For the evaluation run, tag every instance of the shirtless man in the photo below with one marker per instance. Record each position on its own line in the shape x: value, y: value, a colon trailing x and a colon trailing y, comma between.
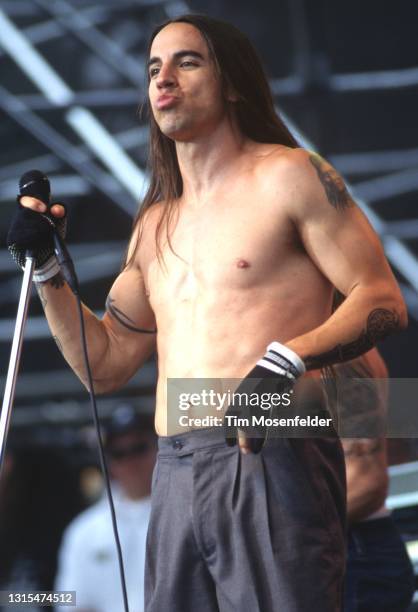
x: 241, y: 239
x: 379, y: 573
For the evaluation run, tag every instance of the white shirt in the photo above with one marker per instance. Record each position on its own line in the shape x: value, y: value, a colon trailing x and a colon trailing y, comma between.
x: 88, y: 558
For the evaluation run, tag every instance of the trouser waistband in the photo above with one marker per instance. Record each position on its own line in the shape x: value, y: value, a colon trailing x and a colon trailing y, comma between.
x: 190, y: 441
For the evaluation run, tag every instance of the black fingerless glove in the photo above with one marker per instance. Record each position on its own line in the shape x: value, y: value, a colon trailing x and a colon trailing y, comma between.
x: 34, y: 232
x: 275, y: 373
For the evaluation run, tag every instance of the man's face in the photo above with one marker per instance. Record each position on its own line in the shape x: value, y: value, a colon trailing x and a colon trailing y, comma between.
x: 184, y: 89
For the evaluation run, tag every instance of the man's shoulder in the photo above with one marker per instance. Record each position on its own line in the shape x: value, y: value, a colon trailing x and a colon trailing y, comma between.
x: 149, y: 218
x: 308, y: 186
x: 285, y: 165
x: 286, y: 177
x: 281, y: 155
x: 144, y: 232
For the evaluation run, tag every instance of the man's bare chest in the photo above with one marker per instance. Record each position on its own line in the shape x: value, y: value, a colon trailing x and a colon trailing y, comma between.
x: 222, y: 248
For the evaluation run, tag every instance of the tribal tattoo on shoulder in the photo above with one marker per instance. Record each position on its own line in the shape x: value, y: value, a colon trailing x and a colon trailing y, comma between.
x: 123, y: 319
x: 380, y: 323
x: 333, y: 184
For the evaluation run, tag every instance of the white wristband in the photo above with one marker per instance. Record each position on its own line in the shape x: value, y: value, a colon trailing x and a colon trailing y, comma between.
x: 288, y: 354
x: 47, y: 271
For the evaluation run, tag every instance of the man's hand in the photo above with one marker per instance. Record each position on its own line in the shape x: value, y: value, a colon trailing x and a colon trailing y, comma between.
x: 32, y: 230
x: 57, y: 210
x: 275, y: 373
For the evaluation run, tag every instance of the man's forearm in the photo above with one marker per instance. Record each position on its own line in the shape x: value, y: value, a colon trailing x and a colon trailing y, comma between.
x: 354, y: 328
x: 61, y: 311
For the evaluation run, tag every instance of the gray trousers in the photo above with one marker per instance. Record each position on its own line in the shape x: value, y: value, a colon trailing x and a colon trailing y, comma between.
x: 253, y: 533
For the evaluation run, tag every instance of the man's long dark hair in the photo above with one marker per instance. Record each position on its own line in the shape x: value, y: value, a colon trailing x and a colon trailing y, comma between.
x: 240, y: 71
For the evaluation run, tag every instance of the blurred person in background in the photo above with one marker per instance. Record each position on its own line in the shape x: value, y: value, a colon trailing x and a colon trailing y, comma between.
x: 87, y: 560
x: 379, y: 576
x: 39, y: 495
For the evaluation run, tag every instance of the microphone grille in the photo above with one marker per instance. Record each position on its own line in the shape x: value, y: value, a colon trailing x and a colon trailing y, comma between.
x: 36, y: 184
x: 32, y: 176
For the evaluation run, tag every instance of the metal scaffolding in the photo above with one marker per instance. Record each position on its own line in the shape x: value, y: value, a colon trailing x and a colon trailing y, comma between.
x: 72, y: 76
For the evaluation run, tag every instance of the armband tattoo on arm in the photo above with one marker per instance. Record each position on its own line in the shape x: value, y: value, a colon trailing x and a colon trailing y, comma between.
x: 123, y: 319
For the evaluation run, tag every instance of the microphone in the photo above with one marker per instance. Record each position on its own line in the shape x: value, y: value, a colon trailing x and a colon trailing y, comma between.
x: 36, y: 185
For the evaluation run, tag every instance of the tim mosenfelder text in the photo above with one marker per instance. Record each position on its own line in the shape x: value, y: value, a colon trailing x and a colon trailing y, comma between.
x: 255, y: 421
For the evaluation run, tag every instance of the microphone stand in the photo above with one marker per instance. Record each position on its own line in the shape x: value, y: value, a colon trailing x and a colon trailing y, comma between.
x: 9, y: 392
x: 64, y: 259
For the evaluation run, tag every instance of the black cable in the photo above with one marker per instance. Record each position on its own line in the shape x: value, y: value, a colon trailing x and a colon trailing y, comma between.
x: 101, y: 451
x: 68, y: 270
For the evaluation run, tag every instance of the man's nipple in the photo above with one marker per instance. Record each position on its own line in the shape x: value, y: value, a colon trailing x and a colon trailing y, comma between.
x: 242, y: 263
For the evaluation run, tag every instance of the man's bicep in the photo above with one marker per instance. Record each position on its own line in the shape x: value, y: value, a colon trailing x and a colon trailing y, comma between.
x: 128, y: 311
x: 335, y: 232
